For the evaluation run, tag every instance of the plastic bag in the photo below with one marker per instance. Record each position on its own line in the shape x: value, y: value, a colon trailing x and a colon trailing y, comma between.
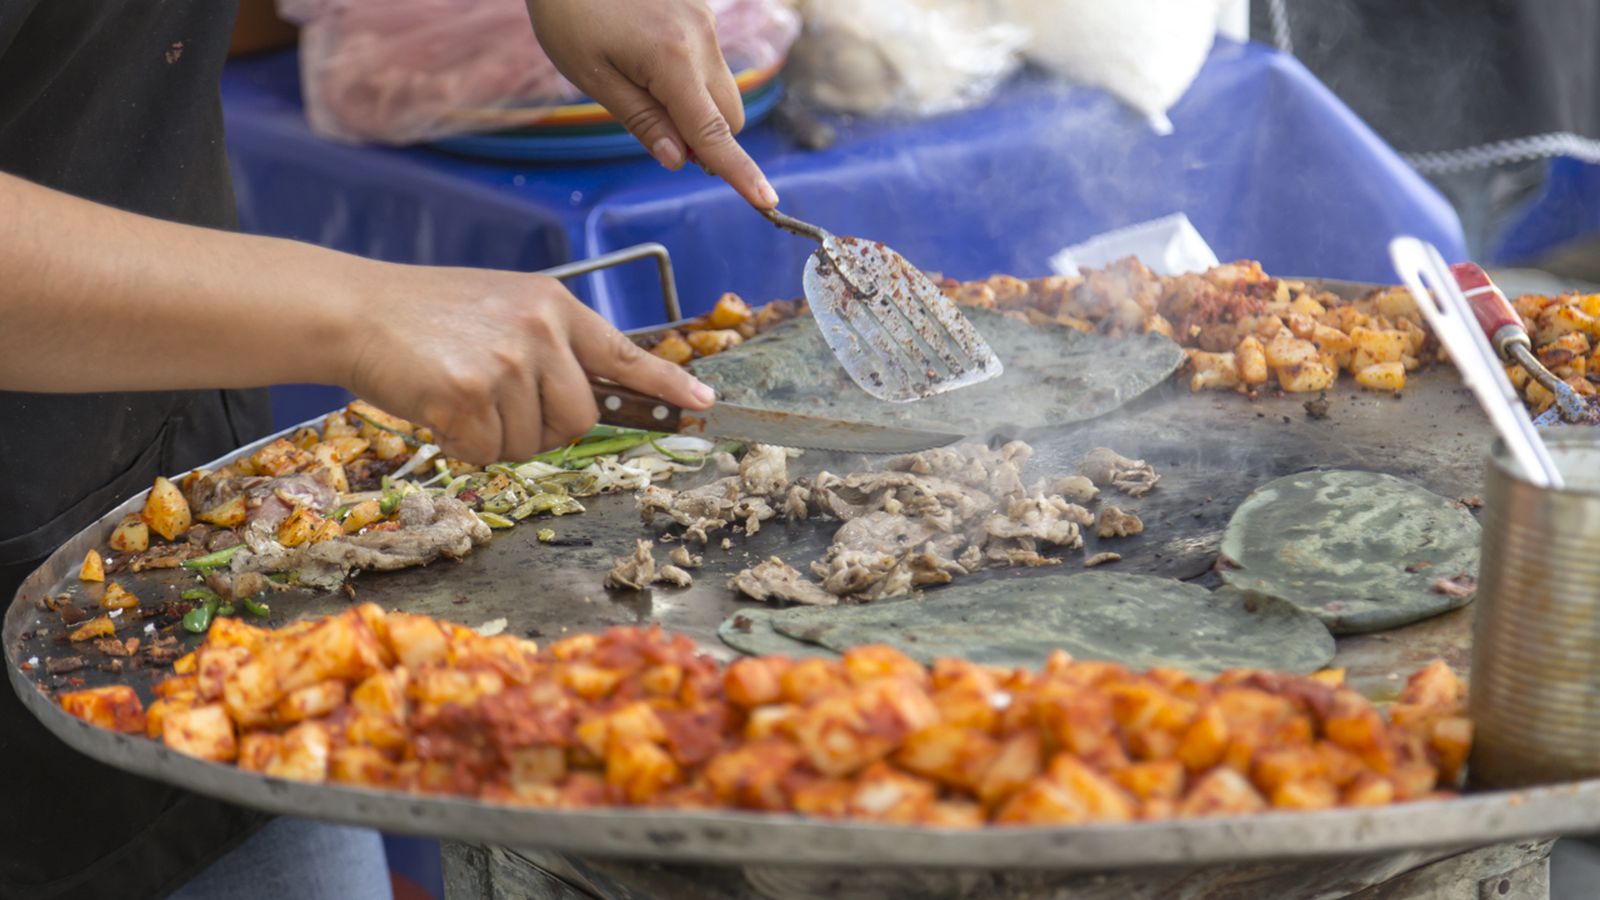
x: 912, y: 57
x: 1146, y: 52
x: 1167, y: 246
x: 406, y: 71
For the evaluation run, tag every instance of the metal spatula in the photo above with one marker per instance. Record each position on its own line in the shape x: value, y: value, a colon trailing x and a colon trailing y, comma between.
x: 897, y: 335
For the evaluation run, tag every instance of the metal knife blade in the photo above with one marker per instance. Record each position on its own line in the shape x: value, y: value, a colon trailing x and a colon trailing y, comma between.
x: 798, y: 430
x: 630, y: 409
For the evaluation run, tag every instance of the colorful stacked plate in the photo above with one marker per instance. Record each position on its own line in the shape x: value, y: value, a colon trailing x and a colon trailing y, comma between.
x: 585, y: 131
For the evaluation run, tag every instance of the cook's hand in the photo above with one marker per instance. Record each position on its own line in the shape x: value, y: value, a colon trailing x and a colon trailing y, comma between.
x: 657, y: 66
x: 497, y: 363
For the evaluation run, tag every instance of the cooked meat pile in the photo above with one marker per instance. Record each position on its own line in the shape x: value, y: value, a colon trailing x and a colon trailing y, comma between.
x: 637, y: 717
x: 923, y: 519
x: 429, y: 528
x: 638, y: 570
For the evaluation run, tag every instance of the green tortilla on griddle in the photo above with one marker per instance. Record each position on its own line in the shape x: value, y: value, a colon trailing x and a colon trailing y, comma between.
x: 750, y: 631
x: 1053, y: 375
x: 1137, y: 620
x: 1360, y: 550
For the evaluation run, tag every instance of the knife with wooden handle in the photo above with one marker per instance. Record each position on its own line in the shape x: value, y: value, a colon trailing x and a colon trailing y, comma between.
x: 627, y: 408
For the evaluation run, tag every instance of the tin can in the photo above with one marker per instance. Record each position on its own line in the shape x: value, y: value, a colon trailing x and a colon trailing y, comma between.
x: 1535, y: 680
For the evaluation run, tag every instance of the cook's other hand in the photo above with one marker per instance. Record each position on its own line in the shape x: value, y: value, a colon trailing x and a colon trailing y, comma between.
x: 498, y: 363
x: 656, y: 65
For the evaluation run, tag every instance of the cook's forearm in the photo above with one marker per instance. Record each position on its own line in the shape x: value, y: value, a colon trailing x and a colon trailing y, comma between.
x: 95, y: 299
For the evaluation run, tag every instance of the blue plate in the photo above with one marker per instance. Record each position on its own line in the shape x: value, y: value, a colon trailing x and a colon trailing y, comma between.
x: 514, y: 147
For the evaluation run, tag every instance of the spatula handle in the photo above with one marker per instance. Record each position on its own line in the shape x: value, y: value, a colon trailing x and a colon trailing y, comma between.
x: 627, y: 408
x: 1494, y: 312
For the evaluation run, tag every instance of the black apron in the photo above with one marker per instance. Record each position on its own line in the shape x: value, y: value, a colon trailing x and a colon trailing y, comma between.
x: 115, y: 101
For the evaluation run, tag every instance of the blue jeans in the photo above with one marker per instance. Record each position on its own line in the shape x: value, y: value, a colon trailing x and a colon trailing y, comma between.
x: 297, y: 858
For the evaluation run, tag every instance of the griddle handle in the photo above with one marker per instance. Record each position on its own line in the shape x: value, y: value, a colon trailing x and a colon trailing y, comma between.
x: 1494, y: 312
x: 627, y: 408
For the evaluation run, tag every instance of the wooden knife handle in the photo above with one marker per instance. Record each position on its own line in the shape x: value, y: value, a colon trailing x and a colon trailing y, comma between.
x: 627, y: 408
x: 1494, y: 312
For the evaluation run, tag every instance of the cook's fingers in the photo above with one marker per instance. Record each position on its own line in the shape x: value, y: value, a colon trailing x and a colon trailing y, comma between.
x: 569, y: 409
x: 606, y: 352
x: 721, y: 84
x: 644, y: 117
x: 472, y: 435
x: 522, y: 415
x: 710, y: 135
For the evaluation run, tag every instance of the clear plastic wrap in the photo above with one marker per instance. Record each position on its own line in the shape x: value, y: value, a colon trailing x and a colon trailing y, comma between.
x: 907, y: 57
x: 406, y: 71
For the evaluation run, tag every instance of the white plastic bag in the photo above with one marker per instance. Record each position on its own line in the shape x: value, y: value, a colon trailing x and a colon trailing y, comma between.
x: 1146, y: 52
x: 1167, y: 246
x: 405, y: 71
x: 910, y: 57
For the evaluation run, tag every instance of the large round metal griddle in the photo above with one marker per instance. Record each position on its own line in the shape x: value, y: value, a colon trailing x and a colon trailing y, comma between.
x: 1212, y: 450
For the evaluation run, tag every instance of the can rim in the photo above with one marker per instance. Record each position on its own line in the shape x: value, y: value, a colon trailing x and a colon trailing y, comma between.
x: 1554, y: 438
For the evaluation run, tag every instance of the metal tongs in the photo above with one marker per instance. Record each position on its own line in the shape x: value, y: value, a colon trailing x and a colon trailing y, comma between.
x: 1451, y: 317
x: 896, y: 334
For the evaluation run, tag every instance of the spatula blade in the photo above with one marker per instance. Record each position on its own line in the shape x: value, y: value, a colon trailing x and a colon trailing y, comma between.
x: 896, y: 334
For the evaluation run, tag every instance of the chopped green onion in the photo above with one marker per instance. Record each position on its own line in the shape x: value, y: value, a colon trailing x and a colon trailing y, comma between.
x: 213, y: 560
x: 201, y: 594
x: 256, y: 608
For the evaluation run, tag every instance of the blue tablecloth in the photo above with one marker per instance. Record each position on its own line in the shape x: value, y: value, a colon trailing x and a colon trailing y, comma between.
x: 1265, y: 161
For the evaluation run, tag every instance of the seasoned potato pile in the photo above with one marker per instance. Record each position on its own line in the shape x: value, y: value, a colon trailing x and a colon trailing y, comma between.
x: 638, y: 717
x: 1244, y: 330
x: 1566, y: 336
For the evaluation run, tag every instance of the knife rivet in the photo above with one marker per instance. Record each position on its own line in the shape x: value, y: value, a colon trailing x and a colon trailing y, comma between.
x: 613, y: 403
x: 659, y: 413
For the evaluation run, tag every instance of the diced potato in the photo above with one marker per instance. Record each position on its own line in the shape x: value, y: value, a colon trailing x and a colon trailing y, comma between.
x: 640, y: 769
x: 416, y: 640
x: 1155, y: 323
x: 1020, y: 760
x: 166, y: 510
x: 1286, y: 350
x: 337, y: 425
x: 345, y: 447
x: 1329, y: 677
x: 205, y: 732
x: 117, y: 597
x: 1538, y: 396
x: 1306, y: 305
x: 311, y: 702
x: 361, y: 515
x: 329, y: 470
x: 364, y: 766
x: 1574, y: 320
x: 1305, y: 795
x: 280, y: 458
x: 710, y: 343
x: 93, y: 568
x: 97, y: 627
x: 950, y: 754
x: 1388, y: 376
x: 1251, y: 360
x: 387, y: 445
x: 114, y: 708
x: 304, y: 438
x: 372, y: 417
x: 1213, y: 371
x: 636, y: 722
x: 673, y: 348
x: 730, y: 312
x: 131, y: 535
x: 1160, y: 778
x: 1381, y: 345
x: 230, y: 513
x: 1397, y: 303
x: 1518, y: 376
x: 755, y: 681
x: 1305, y: 378
x: 305, y: 526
